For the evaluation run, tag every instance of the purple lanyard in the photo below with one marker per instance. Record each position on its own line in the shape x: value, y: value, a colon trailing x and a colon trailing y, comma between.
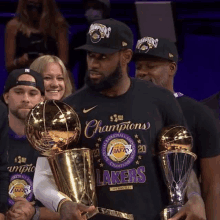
x: 178, y: 94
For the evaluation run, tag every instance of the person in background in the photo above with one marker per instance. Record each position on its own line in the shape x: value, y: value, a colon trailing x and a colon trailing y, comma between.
x: 94, y: 10
x: 38, y: 28
x: 56, y: 79
x: 24, y: 89
x: 156, y: 61
x: 4, y: 180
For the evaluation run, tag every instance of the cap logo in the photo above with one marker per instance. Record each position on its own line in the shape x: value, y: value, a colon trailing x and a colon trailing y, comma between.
x: 146, y: 43
x: 124, y: 44
x: 27, y: 70
x: 171, y: 55
x: 98, y: 31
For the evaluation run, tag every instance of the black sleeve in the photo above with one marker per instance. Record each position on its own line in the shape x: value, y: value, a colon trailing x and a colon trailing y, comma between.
x: 207, y: 133
x: 4, y: 175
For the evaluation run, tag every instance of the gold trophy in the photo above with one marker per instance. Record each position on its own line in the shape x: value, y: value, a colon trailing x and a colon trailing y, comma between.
x: 176, y: 160
x: 50, y: 128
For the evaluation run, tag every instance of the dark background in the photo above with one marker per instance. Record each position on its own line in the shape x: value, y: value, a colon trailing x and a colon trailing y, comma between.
x: 197, y: 24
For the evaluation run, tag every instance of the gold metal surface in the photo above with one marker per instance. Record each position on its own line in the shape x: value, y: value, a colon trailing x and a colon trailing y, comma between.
x: 175, y: 138
x: 75, y: 175
x: 51, y: 126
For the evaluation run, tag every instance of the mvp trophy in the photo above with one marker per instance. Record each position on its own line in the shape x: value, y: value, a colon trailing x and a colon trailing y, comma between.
x: 176, y: 160
x: 50, y: 128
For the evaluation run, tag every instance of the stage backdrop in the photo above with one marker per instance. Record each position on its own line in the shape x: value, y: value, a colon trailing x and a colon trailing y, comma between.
x: 198, y: 37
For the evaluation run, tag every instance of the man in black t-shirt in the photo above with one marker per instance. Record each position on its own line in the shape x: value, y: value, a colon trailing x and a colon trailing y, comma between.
x: 213, y: 102
x: 121, y: 118
x: 3, y: 160
x: 156, y: 61
x: 24, y: 89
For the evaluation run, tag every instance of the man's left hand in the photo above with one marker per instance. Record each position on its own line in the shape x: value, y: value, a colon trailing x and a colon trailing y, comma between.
x: 194, y: 209
x: 22, y: 209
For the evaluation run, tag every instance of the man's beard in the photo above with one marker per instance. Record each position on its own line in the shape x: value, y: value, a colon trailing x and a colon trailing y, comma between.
x: 107, y: 82
x: 20, y: 114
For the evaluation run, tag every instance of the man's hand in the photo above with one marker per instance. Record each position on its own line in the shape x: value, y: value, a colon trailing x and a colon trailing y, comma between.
x: 73, y: 211
x: 2, y: 216
x: 21, y: 210
x: 194, y: 209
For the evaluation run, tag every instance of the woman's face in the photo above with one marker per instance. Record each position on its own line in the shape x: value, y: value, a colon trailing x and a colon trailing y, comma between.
x: 34, y: 8
x: 54, y: 81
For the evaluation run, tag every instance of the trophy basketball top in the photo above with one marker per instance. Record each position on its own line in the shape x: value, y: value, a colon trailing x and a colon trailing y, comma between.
x: 175, y: 138
x: 51, y: 126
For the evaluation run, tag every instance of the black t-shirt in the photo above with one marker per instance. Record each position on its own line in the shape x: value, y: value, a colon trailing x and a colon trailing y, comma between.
x: 122, y: 133
x: 204, y: 128
x: 213, y: 103
x: 3, y: 157
x: 22, y: 162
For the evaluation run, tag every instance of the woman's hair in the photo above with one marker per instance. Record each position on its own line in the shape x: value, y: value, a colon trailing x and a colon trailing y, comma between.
x: 51, y: 20
x: 39, y: 65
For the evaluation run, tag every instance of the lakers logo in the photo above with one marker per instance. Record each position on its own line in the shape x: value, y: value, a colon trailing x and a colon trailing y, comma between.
x: 99, y: 31
x: 96, y: 37
x: 118, y: 150
x: 20, y: 186
x: 144, y: 48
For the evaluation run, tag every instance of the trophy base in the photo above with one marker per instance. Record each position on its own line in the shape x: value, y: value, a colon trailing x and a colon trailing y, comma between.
x: 109, y: 212
x: 170, y: 211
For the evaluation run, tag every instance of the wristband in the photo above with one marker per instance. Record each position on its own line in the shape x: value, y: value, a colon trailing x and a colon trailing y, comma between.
x: 61, y: 203
x: 37, y: 213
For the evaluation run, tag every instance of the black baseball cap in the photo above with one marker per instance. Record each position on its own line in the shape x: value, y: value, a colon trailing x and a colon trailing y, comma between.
x: 156, y: 47
x: 108, y: 36
x: 13, y: 81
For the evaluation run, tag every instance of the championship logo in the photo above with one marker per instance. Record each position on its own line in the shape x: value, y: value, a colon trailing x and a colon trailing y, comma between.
x: 99, y: 31
x: 20, y: 186
x: 146, y: 43
x: 118, y: 150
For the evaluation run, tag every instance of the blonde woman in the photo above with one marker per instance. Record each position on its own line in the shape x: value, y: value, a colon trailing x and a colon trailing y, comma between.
x: 37, y: 29
x: 56, y: 79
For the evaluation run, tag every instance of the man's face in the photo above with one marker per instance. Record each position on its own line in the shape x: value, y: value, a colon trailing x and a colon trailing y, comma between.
x: 104, y: 70
x: 154, y: 70
x: 22, y: 98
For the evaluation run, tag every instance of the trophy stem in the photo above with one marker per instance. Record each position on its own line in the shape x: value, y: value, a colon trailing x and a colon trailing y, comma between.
x: 170, y: 211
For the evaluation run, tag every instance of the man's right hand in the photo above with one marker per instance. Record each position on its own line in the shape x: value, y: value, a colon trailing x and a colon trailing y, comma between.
x: 73, y: 211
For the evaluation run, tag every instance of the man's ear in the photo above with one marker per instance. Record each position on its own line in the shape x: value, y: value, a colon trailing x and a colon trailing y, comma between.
x: 6, y: 96
x: 126, y: 56
x: 173, y: 68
